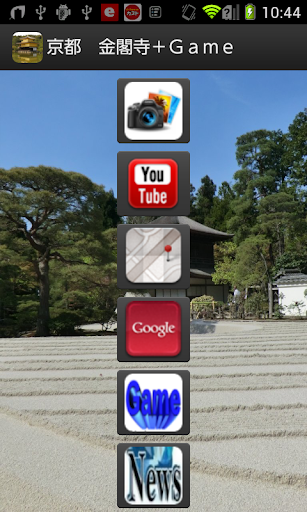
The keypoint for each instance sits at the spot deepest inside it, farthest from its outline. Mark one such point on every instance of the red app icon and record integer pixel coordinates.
(153, 183)
(153, 328)
(132, 12)
(109, 12)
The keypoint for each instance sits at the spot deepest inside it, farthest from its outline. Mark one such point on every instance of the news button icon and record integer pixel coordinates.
(153, 475)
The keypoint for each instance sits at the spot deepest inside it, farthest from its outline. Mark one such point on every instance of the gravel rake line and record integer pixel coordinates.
(62, 344)
(248, 346)
(59, 353)
(258, 349)
(110, 442)
(252, 335)
(196, 377)
(298, 480)
(62, 379)
(64, 339)
(96, 359)
(111, 391)
(156, 366)
(243, 375)
(245, 388)
(194, 343)
(89, 360)
(249, 353)
(246, 341)
(196, 410)
(40, 418)
(248, 356)
(30, 342)
(57, 393)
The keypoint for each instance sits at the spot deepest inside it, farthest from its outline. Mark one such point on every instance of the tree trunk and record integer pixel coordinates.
(271, 255)
(43, 312)
(270, 294)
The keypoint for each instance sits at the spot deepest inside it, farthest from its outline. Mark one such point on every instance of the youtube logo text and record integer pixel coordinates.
(153, 183)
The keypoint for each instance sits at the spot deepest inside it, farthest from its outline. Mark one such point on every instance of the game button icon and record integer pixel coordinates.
(155, 402)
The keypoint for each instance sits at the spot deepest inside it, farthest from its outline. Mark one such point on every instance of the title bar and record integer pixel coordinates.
(79, 47)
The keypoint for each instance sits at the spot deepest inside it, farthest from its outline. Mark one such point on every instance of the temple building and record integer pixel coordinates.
(202, 240)
(27, 44)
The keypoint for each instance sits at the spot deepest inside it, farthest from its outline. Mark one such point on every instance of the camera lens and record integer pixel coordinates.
(148, 117)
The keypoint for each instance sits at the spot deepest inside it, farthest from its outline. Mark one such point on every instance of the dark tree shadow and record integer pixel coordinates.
(202, 327)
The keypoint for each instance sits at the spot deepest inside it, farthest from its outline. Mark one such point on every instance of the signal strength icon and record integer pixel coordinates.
(211, 10)
(231, 13)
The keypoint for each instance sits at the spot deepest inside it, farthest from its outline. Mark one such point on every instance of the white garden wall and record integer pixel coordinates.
(292, 293)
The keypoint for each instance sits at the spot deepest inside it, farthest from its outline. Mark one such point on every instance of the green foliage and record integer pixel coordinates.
(58, 233)
(265, 209)
(202, 307)
(280, 218)
(291, 260)
(50, 220)
(222, 210)
(296, 307)
(204, 200)
(224, 257)
(279, 311)
(250, 265)
(139, 219)
(197, 301)
(63, 323)
(256, 304)
(297, 148)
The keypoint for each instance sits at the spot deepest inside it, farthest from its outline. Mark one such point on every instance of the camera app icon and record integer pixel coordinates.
(146, 115)
(153, 111)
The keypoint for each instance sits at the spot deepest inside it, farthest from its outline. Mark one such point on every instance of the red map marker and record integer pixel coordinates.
(168, 249)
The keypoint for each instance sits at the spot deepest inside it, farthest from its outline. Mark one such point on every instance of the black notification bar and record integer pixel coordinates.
(148, 13)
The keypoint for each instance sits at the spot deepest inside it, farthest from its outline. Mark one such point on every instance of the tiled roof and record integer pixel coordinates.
(194, 226)
(198, 273)
(292, 278)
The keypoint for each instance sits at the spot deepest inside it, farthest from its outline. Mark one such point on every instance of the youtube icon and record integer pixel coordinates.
(153, 183)
(153, 328)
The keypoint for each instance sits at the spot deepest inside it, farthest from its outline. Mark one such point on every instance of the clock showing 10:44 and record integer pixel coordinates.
(276, 12)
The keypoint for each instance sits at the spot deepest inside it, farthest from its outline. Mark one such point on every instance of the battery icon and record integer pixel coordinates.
(250, 12)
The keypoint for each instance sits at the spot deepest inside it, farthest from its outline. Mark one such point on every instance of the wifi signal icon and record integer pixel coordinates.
(211, 10)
